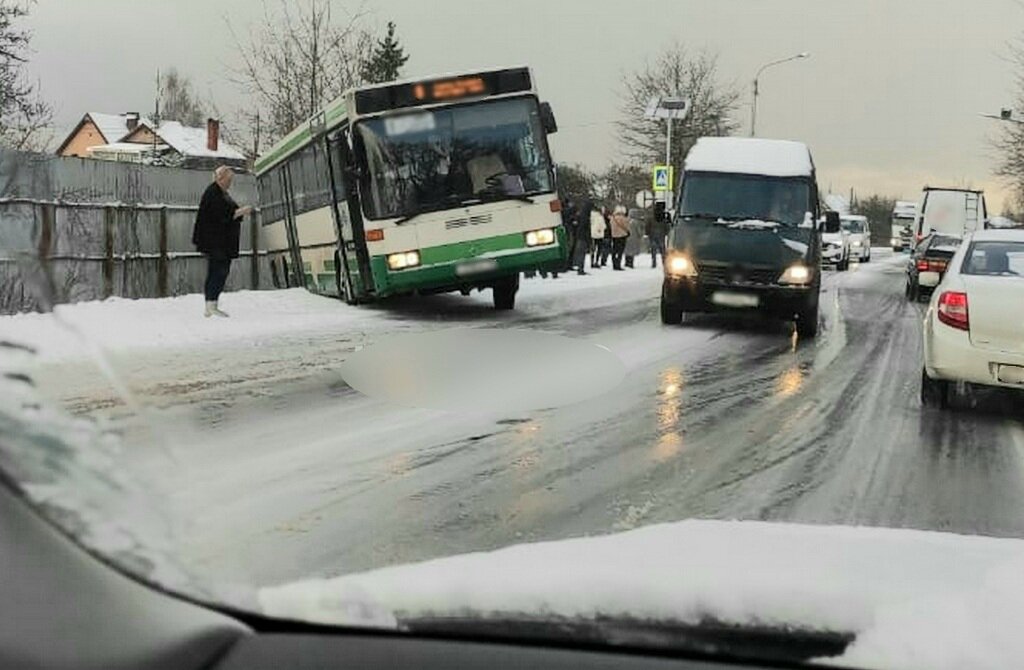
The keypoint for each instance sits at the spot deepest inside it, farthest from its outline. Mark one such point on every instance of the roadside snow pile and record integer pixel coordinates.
(119, 324)
(912, 598)
(122, 324)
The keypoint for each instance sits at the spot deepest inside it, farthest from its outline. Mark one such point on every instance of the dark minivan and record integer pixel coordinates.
(746, 233)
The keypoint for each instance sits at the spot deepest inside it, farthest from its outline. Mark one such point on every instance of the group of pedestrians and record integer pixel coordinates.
(615, 234)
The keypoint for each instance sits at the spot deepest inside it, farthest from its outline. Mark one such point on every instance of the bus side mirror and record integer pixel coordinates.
(831, 222)
(547, 118)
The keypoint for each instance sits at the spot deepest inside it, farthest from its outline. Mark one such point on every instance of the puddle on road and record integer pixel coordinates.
(484, 370)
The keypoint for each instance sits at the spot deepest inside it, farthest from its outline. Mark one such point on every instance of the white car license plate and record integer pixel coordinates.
(729, 299)
(476, 267)
(1010, 374)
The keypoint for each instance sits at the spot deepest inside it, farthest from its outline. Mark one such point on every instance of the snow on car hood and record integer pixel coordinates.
(832, 237)
(912, 598)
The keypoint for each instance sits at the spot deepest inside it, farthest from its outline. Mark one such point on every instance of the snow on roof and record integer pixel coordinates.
(837, 203)
(113, 126)
(125, 147)
(742, 155)
(190, 141)
(1002, 222)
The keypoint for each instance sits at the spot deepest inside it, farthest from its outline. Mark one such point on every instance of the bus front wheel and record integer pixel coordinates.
(505, 293)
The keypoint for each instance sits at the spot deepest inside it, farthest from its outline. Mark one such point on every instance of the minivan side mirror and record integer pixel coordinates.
(831, 222)
(547, 118)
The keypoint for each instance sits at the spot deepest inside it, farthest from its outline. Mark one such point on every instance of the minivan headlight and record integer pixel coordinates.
(797, 274)
(680, 265)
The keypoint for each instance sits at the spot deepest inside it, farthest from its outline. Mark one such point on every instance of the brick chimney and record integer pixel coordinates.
(212, 134)
(131, 120)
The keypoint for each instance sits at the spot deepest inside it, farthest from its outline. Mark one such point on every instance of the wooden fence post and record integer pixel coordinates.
(108, 252)
(162, 261)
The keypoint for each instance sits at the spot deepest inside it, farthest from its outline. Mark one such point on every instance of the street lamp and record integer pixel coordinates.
(753, 110)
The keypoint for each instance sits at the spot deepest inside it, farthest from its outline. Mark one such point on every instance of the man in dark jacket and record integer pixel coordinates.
(216, 233)
(657, 231)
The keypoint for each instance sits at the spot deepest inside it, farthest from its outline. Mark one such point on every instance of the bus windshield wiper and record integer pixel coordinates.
(520, 197)
(434, 207)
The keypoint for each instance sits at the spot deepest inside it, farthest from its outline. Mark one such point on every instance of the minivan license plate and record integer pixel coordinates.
(728, 299)
(1011, 374)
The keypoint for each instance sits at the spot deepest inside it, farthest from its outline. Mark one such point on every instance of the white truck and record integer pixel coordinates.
(904, 213)
(950, 211)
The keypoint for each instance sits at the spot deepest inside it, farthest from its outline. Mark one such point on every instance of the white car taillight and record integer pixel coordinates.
(952, 310)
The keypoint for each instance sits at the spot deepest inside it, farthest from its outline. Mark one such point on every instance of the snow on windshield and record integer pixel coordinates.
(913, 599)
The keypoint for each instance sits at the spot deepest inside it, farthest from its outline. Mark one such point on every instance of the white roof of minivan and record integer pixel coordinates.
(746, 155)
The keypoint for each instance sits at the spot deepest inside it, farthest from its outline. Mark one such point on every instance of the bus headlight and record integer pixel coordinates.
(540, 238)
(796, 274)
(679, 265)
(404, 260)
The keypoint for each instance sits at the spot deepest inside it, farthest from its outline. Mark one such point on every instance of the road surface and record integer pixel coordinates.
(273, 469)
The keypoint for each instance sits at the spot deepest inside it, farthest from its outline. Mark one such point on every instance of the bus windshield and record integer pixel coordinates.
(735, 196)
(440, 158)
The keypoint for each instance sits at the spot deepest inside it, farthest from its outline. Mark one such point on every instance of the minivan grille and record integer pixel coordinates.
(720, 274)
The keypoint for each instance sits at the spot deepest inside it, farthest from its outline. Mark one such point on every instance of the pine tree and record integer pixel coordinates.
(387, 59)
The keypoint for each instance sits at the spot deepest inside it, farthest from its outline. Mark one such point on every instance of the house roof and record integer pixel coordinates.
(112, 127)
(190, 141)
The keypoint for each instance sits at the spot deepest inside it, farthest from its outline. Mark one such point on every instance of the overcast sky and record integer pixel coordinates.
(888, 101)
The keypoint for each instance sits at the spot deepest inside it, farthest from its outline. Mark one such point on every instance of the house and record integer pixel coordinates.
(95, 129)
(133, 138)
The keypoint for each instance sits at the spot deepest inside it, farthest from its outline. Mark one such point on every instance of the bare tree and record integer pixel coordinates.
(674, 72)
(178, 99)
(303, 55)
(1009, 144)
(24, 116)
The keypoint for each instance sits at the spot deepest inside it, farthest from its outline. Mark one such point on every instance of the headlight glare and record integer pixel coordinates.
(404, 260)
(796, 274)
(680, 266)
(540, 238)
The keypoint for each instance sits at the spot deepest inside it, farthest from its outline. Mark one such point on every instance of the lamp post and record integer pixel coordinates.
(1005, 114)
(753, 109)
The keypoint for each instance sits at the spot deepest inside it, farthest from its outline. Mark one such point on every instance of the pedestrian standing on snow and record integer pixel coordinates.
(657, 231)
(606, 241)
(597, 231)
(216, 235)
(583, 240)
(620, 232)
(635, 241)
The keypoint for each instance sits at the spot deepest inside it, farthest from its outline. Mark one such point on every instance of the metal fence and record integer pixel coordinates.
(76, 229)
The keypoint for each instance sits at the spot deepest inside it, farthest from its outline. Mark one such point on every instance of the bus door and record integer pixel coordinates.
(295, 273)
(355, 246)
(350, 285)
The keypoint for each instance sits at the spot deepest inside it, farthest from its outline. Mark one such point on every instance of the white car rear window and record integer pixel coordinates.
(995, 259)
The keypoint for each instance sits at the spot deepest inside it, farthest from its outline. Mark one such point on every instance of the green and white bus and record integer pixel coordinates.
(416, 187)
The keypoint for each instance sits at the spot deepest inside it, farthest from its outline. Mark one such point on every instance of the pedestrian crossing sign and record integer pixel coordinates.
(663, 178)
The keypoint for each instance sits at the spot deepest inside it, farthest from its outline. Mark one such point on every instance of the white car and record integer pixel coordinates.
(974, 328)
(835, 250)
(858, 232)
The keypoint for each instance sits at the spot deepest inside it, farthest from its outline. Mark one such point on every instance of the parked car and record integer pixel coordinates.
(858, 231)
(928, 263)
(973, 331)
(835, 250)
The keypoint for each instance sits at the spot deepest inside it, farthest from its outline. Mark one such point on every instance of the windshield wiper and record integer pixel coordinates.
(435, 207)
(520, 197)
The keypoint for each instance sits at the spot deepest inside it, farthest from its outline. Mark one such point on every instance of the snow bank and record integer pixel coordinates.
(744, 155)
(120, 324)
(913, 598)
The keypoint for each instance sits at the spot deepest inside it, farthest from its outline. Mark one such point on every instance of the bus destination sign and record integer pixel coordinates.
(399, 96)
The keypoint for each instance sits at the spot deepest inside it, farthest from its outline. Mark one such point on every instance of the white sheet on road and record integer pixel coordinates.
(914, 599)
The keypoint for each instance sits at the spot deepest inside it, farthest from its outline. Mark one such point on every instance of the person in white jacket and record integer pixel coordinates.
(598, 227)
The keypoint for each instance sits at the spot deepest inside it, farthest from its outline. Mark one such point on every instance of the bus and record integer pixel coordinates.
(416, 187)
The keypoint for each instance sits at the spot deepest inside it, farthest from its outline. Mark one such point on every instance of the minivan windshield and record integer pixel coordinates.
(853, 225)
(736, 197)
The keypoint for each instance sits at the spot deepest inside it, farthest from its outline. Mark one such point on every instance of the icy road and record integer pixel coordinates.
(273, 469)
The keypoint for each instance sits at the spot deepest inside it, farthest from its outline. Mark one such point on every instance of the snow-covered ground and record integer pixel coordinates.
(913, 599)
(122, 325)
